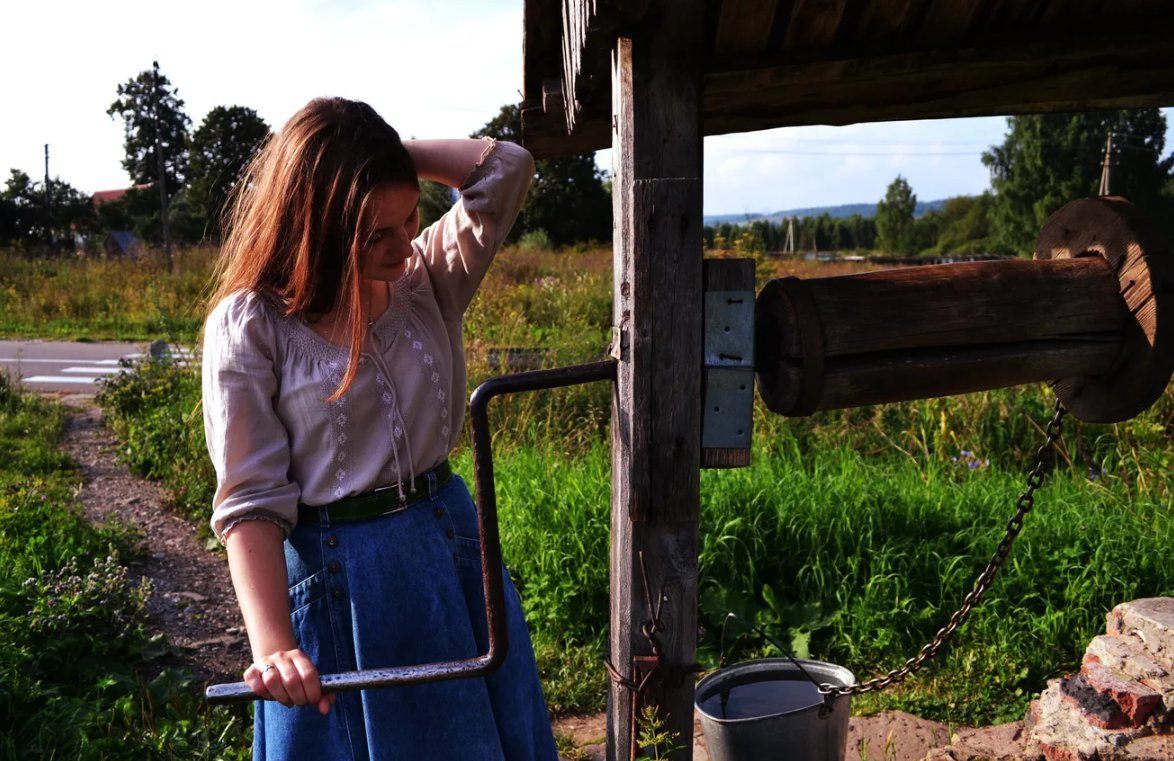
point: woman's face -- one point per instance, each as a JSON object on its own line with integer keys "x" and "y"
{"x": 393, "y": 221}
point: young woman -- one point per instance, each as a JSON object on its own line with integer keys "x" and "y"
{"x": 334, "y": 389}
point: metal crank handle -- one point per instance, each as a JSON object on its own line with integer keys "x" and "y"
{"x": 239, "y": 692}
{"x": 491, "y": 566}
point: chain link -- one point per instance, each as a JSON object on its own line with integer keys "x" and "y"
{"x": 1024, "y": 506}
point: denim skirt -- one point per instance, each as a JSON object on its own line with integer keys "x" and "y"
{"x": 400, "y": 590}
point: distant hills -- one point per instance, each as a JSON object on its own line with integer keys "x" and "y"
{"x": 835, "y": 212}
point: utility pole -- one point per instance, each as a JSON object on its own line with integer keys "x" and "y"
{"x": 48, "y": 201}
{"x": 161, "y": 177}
{"x": 1107, "y": 167}
{"x": 789, "y": 244}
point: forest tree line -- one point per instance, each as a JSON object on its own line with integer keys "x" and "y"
{"x": 1044, "y": 162}
{"x": 185, "y": 177}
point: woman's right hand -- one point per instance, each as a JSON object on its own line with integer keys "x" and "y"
{"x": 288, "y": 677}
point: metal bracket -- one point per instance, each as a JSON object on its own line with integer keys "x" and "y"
{"x": 728, "y": 378}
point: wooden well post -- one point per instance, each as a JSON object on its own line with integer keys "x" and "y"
{"x": 657, "y": 150}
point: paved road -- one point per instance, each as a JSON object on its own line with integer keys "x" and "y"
{"x": 62, "y": 366}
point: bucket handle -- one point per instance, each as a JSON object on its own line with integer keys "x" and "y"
{"x": 829, "y": 696}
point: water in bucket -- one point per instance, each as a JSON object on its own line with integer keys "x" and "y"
{"x": 765, "y": 698}
{"x": 770, "y": 709}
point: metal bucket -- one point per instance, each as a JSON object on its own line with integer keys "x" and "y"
{"x": 781, "y": 716}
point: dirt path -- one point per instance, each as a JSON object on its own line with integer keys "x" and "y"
{"x": 193, "y": 603}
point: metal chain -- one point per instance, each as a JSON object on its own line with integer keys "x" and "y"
{"x": 1025, "y": 504}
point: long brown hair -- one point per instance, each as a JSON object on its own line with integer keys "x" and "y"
{"x": 295, "y": 218}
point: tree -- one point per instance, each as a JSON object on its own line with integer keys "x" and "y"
{"x": 435, "y": 199}
{"x": 894, "y": 218}
{"x": 221, "y": 149}
{"x": 23, "y": 214}
{"x": 156, "y": 136}
{"x": 961, "y": 226}
{"x": 25, "y": 218}
{"x": 1047, "y": 160}
{"x": 568, "y": 199}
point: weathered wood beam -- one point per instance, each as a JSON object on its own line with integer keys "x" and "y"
{"x": 743, "y": 29}
{"x": 1077, "y": 74}
{"x": 879, "y": 21}
{"x": 814, "y": 23}
{"x": 657, "y": 415}
{"x": 1053, "y": 76}
{"x": 947, "y": 24}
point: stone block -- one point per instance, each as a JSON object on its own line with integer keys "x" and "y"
{"x": 1117, "y": 653}
{"x": 1148, "y": 622}
{"x": 1097, "y": 708}
{"x": 1059, "y": 731}
{"x": 1135, "y": 700}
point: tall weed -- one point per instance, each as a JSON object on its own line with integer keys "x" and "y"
{"x": 98, "y": 299}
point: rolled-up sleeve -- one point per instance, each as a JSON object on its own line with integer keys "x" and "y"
{"x": 458, "y": 248}
{"x": 247, "y": 443}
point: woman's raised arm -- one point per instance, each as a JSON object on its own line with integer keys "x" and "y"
{"x": 447, "y": 161}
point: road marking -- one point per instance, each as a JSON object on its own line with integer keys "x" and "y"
{"x": 93, "y": 370}
{"x": 59, "y": 379}
{"x": 79, "y": 371}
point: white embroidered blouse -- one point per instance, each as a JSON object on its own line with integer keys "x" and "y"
{"x": 273, "y": 438}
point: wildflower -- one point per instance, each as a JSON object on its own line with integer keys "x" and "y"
{"x": 970, "y": 460}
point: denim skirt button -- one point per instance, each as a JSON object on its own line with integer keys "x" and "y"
{"x": 332, "y": 541}
{"x": 438, "y": 512}
{"x": 334, "y": 566}
{"x": 336, "y": 593}
{"x": 451, "y": 533}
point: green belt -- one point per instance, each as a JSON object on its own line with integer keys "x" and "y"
{"x": 382, "y": 501}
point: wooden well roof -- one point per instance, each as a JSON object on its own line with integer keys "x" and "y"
{"x": 775, "y": 63}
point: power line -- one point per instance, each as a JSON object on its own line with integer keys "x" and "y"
{"x": 867, "y": 141}
{"x": 889, "y": 154}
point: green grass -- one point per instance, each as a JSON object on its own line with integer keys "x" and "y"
{"x": 78, "y": 678}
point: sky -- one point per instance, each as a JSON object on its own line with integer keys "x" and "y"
{"x": 433, "y": 69}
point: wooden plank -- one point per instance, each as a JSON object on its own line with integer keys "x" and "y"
{"x": 656, "y": 420}
{"x": 814, "y": 23}
{"x": 743, "y": 29}
{"x": 1052, "y": 76}
{"x": 541, "y": 49}
{"x": 1066, "y": 13}
{"x": 881, "y": 23}
{"x": 996, "y": 15}
{"x": 950, "y": 23}
{"x": 666, "y": 232}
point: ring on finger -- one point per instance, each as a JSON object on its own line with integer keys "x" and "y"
{"x": 267, "y": 669}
